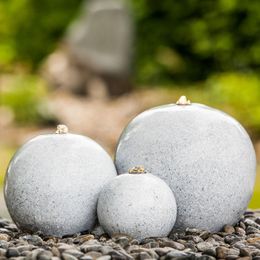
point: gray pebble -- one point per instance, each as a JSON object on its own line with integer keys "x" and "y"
{"x": 223, "y": 252}
{"x": 4, "y": 244}
{"x": 239, "y": 245}
{"x": 257, "y": 220}
{"x": 256, "y": 245}
{"x": 55, "y": 258}
{"x": 144, "y": 255}
{"x": 2, "y": 252}
{"x": 129, "y": 257}
{"x": 33, "y": 239}
{"x": 217, "y": 237}
{"x": 193, "y": 231}
{"x": 212, "y": 241}
{"x": 252, "y": 223}
{"x": 176, "y": 253}
{"x": 135, "y": 255}
{"x": 116, "y": 255}
{"x": 197, "y": 239}
{"x": 205, "y": 235}
{"x": 240, "y": 231}
{"x": 5, "y": 231}
{"x": 210, "y": 252}
{"x": 189, "y": 250}
{"x": 162, "y": 250}
{"x": 34, "y": 254}
{"x": 231, "y": 239}
{"x": 231, "y": 257}
{"x": 12, "y": 227}
{"x": 105, "y": 250}
{"x": 98, "y": 231}
{"x": 4, "y": 222}
{"x": 12, "y": 252}
{"x": 252, "y": 230}
{"x": 62, "y": 247}
{"x": 244, "y": 252}
{"x": 24, "y": 248}
{"x": 86, "y": 257}
{"x": 203, "y": 246}
{"x": 74, "y": 252}
{"x": 153, "y": 244}
{"x": 5, "y": 237}
{"x": 45, "y": 255}
{"x": 190, "y": 244}
{"x": 105, "y": 257}
{"x": 68, "y": 257}
{"x": 134, "y": 242}
{"x": 205, "y": 257}
{"x": 94, "y": 254}
{"x": 174, "y": 245}
{"x": 84, "y": 238}
{"x": 88, "y": 248}
{"x": 229, "y": 229}
{"x": 55, "y": 251}
{"x": 152, "y": 252}
{"x": 25, "y": 253}
{"x": 123, "y": 241}
{"x": 17, "y": 258}
{"x": 255, "y": 252}
{"x": 242, "y": 224}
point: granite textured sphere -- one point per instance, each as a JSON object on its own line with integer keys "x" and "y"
{"x": 204, "y": 155}
{"x": 53, "y": 182}
{"x": 137, "y": 204}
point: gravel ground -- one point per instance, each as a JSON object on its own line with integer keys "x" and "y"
{"x": 241, "y": 241}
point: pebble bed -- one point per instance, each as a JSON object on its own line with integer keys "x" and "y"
{"x": 241, "y": 241}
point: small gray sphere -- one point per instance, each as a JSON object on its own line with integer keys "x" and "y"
{"x": 204, "y": 155}
{"x": 139, "y": 205}
{"x": 53, "y": 182}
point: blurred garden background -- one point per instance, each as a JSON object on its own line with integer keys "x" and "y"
{"x": 95, "y": 64}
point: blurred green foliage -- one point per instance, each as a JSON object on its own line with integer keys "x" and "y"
{"x": 24, "y": 96}
{"x": 176, "y": 40}
{"x": 189, "y": 39}
{"x": 239, "y": 95}
{"x": 255, "y": 201}
{"x": 29, "y": 30}
{"x": 6, "y": 153}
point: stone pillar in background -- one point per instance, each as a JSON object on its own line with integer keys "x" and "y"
{"x": 97, "y": 58}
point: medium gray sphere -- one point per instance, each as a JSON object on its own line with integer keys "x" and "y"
{"x": 53, "y": 182}
{"x": 204, "y": 155}
{"x": 140, "y": 205}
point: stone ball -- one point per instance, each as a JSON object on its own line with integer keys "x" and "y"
{"x": 139, "y": 205}
{"x": 53, "y": 182}
{"x": 203, "y": 154}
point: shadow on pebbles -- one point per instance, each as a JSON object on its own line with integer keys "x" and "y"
{"x": 241, "y": 241}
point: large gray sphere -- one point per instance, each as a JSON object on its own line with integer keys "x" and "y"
{"x": 53, "y": 182}
{"x": 139, "y": 205}
{"x": 204, "y": 155}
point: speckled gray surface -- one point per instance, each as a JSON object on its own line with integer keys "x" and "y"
{"x": 139, "y": 205}
{"x": 53, "y": 181}
{"x": 205, "y": 156}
